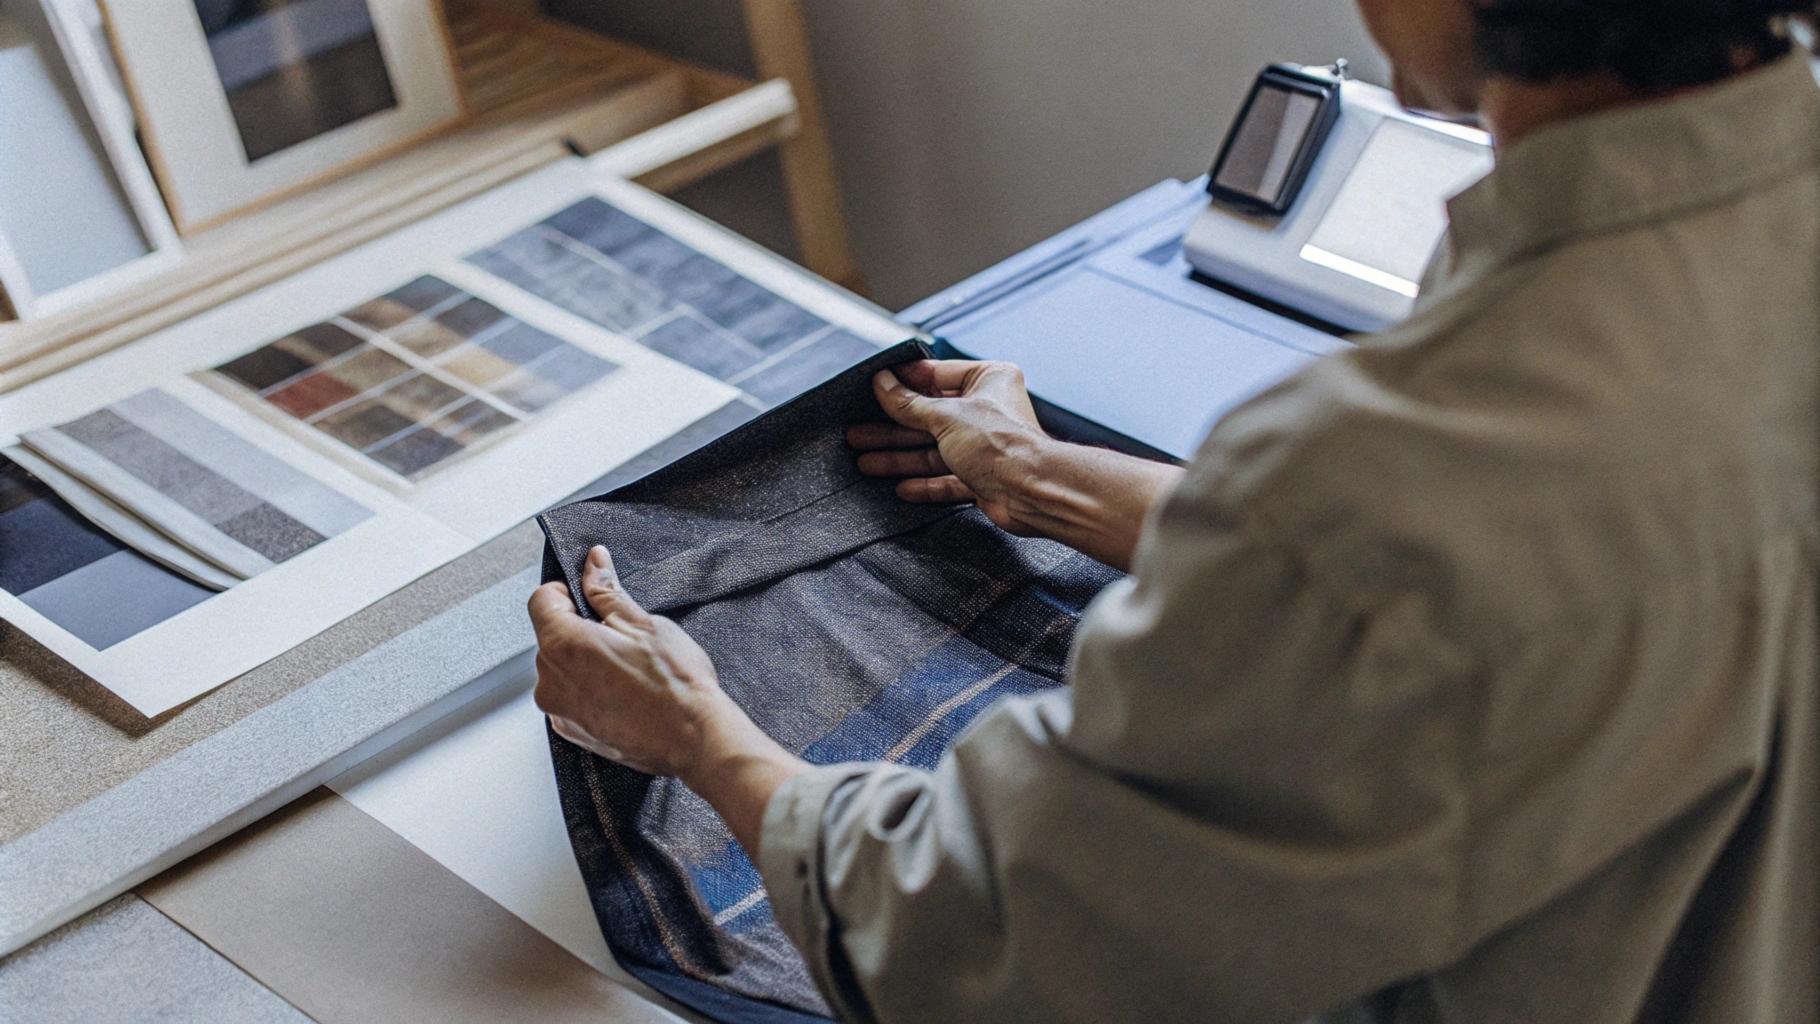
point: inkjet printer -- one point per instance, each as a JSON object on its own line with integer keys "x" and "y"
{"x": 1157, "y": 316}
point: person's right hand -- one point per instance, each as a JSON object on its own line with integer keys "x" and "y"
{"x": 964, "y": 431}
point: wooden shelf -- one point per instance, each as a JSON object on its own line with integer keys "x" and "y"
{"x": 537, "y": 91}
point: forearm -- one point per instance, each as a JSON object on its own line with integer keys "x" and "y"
{"x": 738, "y": 771}
{"x": 1092, "y": 499}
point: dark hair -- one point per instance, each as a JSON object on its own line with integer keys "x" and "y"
{"x": 1649, "y": 44}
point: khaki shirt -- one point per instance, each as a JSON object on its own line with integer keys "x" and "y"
{"x": 1468, "y": 676}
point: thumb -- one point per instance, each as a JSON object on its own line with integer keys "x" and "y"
{"x": 600, "y": 585}
{"x": 902, "y": 403}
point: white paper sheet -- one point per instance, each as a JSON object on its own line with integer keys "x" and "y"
{"x": 482, "y": 801}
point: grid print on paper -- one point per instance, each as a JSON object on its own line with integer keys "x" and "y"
{"x": 416, "y": 377}
{"x": 603, "y": 264}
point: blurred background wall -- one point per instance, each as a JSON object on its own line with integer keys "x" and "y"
{"x": 965, "y": 130}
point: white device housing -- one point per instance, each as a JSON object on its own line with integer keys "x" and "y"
{"x": 1352, "y": 249}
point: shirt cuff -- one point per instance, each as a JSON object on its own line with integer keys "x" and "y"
{"x": 791, "y": 862}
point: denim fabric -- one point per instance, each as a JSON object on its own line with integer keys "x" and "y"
{"x": 852, "y": 626}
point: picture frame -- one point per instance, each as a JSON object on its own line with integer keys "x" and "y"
{"x": 242, "y": 102}
{"x": 79, "y": 154}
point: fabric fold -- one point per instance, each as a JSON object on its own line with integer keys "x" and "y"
{"x": 842, "y": 522}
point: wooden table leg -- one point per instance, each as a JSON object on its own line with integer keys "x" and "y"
{"x": 780, "y": 46}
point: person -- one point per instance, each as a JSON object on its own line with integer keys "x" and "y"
{"x": 1467, "y": 676}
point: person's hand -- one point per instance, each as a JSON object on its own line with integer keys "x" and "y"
{"x": 964, "y": 431}
{"x": 633, "y": 687}
{"x": 636, "y": 689}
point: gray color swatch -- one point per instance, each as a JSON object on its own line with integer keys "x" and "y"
{"x": 209, "y": 491}
{"x": 583, "y": 285}
{"x": 601, "y": 263}
{"x": 302, "y": 497}
{"x": 78, "y": 602}
{"x": 173, "y": 518}
{"x": 806, "y": 367}
{"x": 178, "y": 477}
{"x": 118, "y": 522}
{"x": 687, "y": 339}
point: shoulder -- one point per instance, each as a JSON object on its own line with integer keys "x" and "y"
{"x": 1465, "y": 450}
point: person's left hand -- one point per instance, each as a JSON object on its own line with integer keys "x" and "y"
{"x": 633, "y": 687}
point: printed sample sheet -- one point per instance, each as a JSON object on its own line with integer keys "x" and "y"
{"x": 416, "y": 377}
{"x": 617, "y": 271}
{"x": 176, "y": 512}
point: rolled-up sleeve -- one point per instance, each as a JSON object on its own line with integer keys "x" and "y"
{"x": 791, "y": 862}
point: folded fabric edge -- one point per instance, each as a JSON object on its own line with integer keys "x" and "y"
{"x": 812, "y": 546}
{"x": 909, "y": 350}
{"x": 156, "y": 509}
{"x": 803, "y": 407}
{"x": 119, "y": 523}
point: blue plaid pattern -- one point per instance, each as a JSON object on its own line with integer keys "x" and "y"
{"x": 852, "y": 626}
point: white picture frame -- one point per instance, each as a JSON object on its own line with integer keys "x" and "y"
{"x": 59, "y": 31}
{"x": 205, "y": 158}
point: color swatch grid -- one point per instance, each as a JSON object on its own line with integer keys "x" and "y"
{"x": 416, "y": 377}
{"x": 598, "y": 262}
{"x": 74, "y": 574}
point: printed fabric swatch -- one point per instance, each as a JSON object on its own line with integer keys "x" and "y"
{"x": 605, "y": 265}
{"x": 416, "y": 377}
{"x": 152, "y": 469}
{"x": 851, "y": 625}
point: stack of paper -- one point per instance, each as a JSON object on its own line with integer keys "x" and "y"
{"x": 183, "y": 491}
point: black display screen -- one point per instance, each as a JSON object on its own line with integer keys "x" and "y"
{"x": 1268, "y": 152}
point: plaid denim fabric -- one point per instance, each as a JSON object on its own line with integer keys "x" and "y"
{"x": 851, "y": 625}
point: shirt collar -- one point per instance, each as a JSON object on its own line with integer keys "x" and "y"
{"x": 1638, "y": 164}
